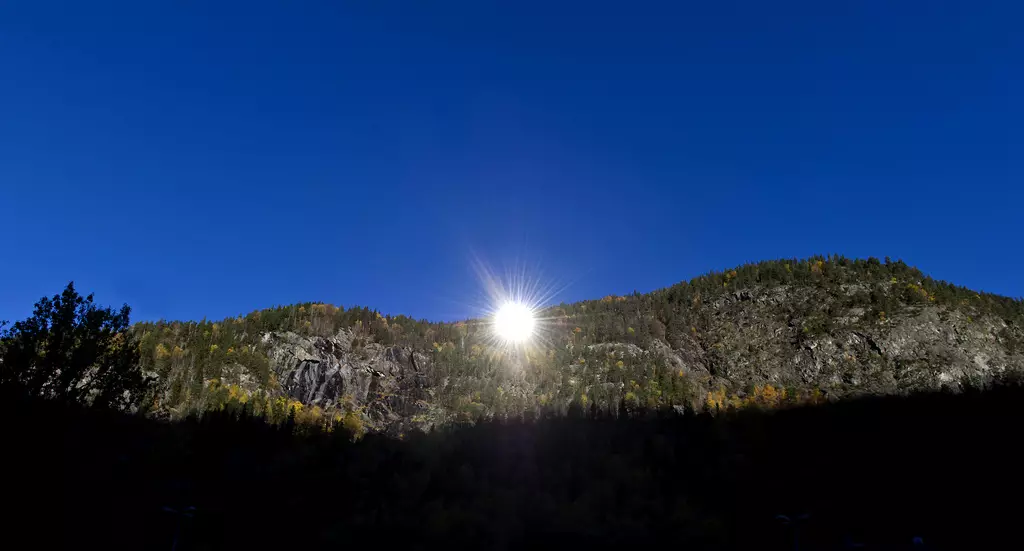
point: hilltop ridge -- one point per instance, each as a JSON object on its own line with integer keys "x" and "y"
{"x": 766, "y": 334}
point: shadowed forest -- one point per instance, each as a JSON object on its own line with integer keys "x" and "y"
{"x": 877, "y": 471}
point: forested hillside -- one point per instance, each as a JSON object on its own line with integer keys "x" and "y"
{"x": 769, "y": 334}
{"x": 825, "y": 401}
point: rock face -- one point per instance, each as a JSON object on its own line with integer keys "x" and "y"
{"x": 757, "y": 337}
{"x": 784, "y": 336}
{"x": 388, "y": 383}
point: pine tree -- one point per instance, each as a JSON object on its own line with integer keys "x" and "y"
{"x": 71, "y": 349}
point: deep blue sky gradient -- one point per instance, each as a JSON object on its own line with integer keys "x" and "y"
{"x": 209, "y": 158}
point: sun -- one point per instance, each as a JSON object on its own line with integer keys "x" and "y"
{"x": 514, "y": 322}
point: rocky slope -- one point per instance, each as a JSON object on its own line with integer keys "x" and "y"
{"x": 767, "y": 334}
{"x": 922, "y": 348}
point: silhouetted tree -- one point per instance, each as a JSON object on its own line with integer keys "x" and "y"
{"x": 71, "y": 349}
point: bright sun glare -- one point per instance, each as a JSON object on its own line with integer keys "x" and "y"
{"x": 514, "y": 322}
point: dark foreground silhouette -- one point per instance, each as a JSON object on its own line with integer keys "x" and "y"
{"x": 882, "y": 471}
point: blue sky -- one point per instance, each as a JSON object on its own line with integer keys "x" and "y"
{"x": 210, "y": 158}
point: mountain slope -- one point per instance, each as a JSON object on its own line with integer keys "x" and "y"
{"x": 769, "y": 333}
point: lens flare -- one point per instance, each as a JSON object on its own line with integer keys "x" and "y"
{"x": 514, "y": 322}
